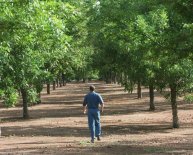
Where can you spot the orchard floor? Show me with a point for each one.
(58, 126)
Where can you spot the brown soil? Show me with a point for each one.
(58, 126)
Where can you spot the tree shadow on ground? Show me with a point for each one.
(123, 148)
(130, 149)
(77, 131)
(62, 111)
(163, 127)
(45, 130)
(54, 99)
(116, 148)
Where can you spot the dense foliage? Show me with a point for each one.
(145, 42)
(133, 42)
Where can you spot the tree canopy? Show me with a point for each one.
(133, 41)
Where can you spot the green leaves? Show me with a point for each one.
(36, 43)
(10, 97)
(147, 40)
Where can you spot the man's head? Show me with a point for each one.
(92, 88)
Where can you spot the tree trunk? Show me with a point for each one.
(60, 83)
(111, 77)
(174, 106)
(107, 78)
(118, 78)
(54, 85)
(115, 78)
(57, 82)
(121, 79)
(39, 98)
(85, 80)
(63, 80)
(139, 93)
(60, 80)
(25, 106)
(19, 92)
(151, 96)
(48, 88)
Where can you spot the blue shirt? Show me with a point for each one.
(92, 100)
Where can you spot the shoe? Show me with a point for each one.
(98, 138)
(92, 141)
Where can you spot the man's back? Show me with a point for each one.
(92, 100)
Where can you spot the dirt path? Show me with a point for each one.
(57, 126)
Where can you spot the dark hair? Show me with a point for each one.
(92, 88)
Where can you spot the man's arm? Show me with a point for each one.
(84, 109)
(102, 107)
(101, 102)
(84, 105)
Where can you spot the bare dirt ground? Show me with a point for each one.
(58, 126)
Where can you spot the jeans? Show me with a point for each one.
(94, 122)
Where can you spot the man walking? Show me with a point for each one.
(91, 102)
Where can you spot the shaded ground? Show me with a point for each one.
(57, 126)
